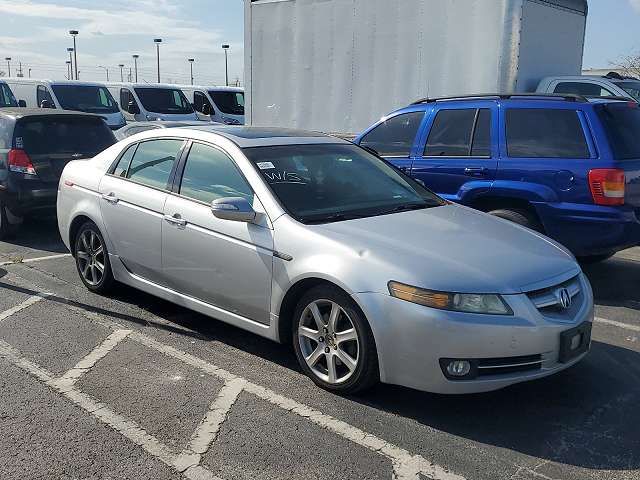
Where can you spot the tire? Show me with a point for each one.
(521, 217)
(591, 259)
(90, 252)
(348, 338)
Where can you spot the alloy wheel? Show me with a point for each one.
(90, 257)
(329, 341)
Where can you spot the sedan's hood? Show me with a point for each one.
(455, 249)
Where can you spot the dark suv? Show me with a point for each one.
(34, 148)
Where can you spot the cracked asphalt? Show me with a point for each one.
(178, 395)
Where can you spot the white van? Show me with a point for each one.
(141, 102)
(219, 104)
(7, 98)
(87, 97)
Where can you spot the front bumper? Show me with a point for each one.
(412, 339)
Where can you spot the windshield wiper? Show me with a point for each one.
(331, 218)
(405, 207)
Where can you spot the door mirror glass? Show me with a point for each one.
(132, 108)
(22, 103)
(206, 109)
(236, 209)
(45, 104)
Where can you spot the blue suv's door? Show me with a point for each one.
(458, 150)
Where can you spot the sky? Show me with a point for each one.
(36, 33)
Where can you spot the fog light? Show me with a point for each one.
(458, 368)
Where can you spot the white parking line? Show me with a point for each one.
(27, 303)
(37, 259)
(613, 323)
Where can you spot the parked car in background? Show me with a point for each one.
(611, 85)
(307, 238)
(219, 104)
(88, 97)
(141, 102)
(7, 98)
(564, 166)
(35, 146)
(137, 127)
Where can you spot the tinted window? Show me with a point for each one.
(164, 100)
(44, 94)
(210, 174)
(622, 125)
(395, 136)
(545, 133)
(231, 103)
(582, 88)
(6, 96)
(123, 163)
(153, 161)
(632, 87)
(453, 131)
(85, 98)
(63, 134)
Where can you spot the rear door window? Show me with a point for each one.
(460, 133)
(622, 126)
(587, 89)
(153, 161)
(395, 136)
(545, 133)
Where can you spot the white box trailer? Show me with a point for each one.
(338, 65)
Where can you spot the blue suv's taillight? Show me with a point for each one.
(607, 186)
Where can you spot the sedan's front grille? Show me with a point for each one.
(507, 365)
(549, 300)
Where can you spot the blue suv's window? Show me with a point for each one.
(395, 136)
(622, 124)
(460, 133)
(545, 133)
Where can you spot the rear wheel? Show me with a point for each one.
(333, 341)
(521, 217)
(92, 259)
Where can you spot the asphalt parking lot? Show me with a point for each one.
(132, 387)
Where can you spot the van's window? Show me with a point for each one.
(6, 96)
(460, 133)
(153, 161)
(200, 100)
(63, 134)
(395, 136)
(632, 87)
(125, 160)
(42, 94)
(231, 103)
(586, 89)
(210, 174)
(85, 98)
(164, 100)
(622, 124)
(125, 97)
(545, 133)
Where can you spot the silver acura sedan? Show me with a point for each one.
(305, 238)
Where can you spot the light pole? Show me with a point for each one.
(158, 41)
(8, 59)
(73, 33)
(68, 62)
(106, 71)
(135, 65)
(225, 47)
(191, 60)
(70, 50)
(29, 73)
(121, 65)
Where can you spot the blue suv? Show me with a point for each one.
(566, 166)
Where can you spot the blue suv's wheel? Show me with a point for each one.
(521, 217)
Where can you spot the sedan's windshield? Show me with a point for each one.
(164, 100)
(632, 87)
(85, 98)
(231, 103)
(333, 182)
(6, 96)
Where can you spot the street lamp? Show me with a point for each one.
(8, 59)
(106, 71)
(226, 47)
(158, 41)
(191, 60)
(121, 65)
(70, 50)
(73, 33)
(68, 62)
(135, 64)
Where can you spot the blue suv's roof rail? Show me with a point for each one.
(506, 96)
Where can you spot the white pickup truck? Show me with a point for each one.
(610, 85)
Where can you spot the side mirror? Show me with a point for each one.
(45, 104)
(133, 108)
(206, 109)
(236, 209)
(22, 103)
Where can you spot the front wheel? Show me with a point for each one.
(521, 217)
(333, 341)
(92, 259)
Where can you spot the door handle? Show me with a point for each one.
(475, 170)
(111, 198)
(175, 220)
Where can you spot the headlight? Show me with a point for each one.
(459, 302)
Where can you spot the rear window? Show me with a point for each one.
(545, 133)
(622, 126)
(63, 134)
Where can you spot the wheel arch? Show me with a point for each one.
(490, 203)
(74, 228)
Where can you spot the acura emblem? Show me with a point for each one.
(564, 298)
